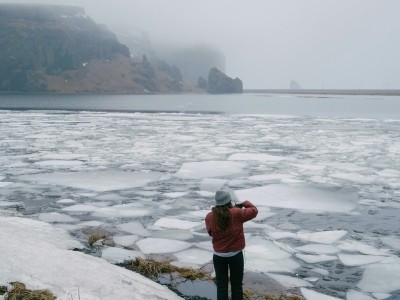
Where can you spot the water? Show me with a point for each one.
(333, 160)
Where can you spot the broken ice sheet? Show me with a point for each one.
(194, 256)
(125, 240)
(317, 258)
(359, 259)
(205, 169)
(380, 278)
(157, 245)
(54, 217)
(176, 223)
(99, 181)
(313, 295)
(313, 198)
(119, 255)
(289, 281)
(318, 249)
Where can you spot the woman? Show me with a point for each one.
(225, 225)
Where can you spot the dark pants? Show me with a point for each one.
(234, 265)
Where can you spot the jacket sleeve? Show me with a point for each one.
(208, 225)
(248, 212)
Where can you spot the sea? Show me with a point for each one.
(324, 171)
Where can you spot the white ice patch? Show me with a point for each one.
(10, 204)
(176, 223)
(194, 256)
(125, 240)
(155, 245)
(5, 183)
(322, 237)
(289, 281)
(62, 156)
(181, 235)
(262, 157)
(55, 217)
(135, 228)
(118, 255)
(392, 242)
(313, 295)
(80, 208)
(381, 296)
(355, 295)
(212, 184)
(264, 256)
(380, 278)
(312, 198)
(318, 249)
(66, 201)
(205, 169)
(352, 260)
(312, 259)
(121, 211)
(58, 163)
(355, 177)
(100, 181)
(356, 246)
(271, 177)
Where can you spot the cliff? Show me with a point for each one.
(50, 48)
(220, 83)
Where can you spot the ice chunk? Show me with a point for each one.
(313, 295)
(322, 237)
(125, 240)
(66, 201)
(320, 271)
(121, 211)
(212, 184)
(175, 194)
(264, 256)
(271, 177)
(354, 295)
(311, 197)
(176, 223)
(359, 259)
(135, 228)
(380, 278)
(355, 177)
(156, 245)
(381, 296)
(289, 281)
(11, 204)
(58, 163)
(93, 223)
(356, 246)
(205, 169)
(80, 208)
(55, 217)
(277, 235)
(262, 157)
(173, 234)
(118, 255)
(392, 242)
(100, 181)
(5, 183)
(311, 259)
(194, 256)
(318, 249)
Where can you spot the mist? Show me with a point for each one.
(330, 44)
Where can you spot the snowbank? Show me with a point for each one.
(36, 253)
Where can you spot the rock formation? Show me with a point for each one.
(51, 48)
(220, 83)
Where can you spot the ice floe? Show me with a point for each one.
(380, 278)
(312, 198)
(194, 256)
(176, 223)
(289, 281)
(125, 240)
(355, 295)
(313, 295)
(312, 259)
(119, 255)
(99, 181)
(54, 217)
(135, 228)
(262, 157)
(318, 249)
(157, 245)
(199, 170)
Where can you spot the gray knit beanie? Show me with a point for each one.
(222, 198)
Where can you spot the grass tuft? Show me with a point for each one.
(93, 238)
(20, 292)
(152, 269)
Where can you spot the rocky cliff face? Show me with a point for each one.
(60, 49)
(220, 83)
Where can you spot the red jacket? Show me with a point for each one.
(231, 239)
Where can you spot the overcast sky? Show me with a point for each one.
(319, 43)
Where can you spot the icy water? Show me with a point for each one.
(324, 173)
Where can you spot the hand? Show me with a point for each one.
(238, 205)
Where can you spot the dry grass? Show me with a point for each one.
(93, 238)
(153, 269)
(20, 292)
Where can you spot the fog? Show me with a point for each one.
(341, 44)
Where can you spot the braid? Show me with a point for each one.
(223, 216)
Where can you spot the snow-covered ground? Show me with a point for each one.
(328, 192)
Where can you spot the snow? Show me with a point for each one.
(48, 264)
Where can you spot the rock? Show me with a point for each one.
(220, 83)
(202, 83)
